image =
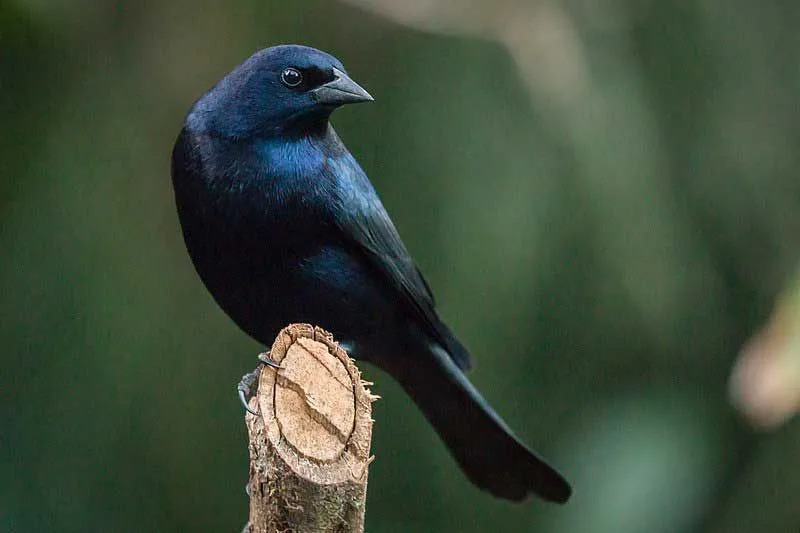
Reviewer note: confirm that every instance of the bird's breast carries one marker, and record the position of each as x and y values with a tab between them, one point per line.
259	231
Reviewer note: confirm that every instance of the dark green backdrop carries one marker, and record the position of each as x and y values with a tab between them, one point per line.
603	195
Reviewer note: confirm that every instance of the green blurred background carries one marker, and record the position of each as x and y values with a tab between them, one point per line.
603	194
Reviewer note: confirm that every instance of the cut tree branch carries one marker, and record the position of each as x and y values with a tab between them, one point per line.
309	449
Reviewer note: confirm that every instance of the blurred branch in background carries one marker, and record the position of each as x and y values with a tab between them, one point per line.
765	383
539	35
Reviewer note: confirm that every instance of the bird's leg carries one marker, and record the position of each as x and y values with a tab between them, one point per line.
248	385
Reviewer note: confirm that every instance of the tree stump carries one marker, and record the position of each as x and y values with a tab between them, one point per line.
310	448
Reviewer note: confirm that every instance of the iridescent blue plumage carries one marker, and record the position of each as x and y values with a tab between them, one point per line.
283	226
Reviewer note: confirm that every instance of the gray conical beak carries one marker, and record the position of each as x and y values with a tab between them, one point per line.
341	90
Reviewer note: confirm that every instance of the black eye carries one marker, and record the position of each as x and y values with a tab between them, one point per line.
291	77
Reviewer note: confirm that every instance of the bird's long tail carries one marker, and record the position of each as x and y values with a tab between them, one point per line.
486	449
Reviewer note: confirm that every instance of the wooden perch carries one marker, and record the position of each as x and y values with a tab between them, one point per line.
309	451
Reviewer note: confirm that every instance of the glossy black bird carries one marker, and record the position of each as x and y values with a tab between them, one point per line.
283	226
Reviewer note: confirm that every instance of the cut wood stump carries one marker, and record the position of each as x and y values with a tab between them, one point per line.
310	448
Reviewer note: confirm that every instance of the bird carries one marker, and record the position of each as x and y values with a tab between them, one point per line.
283	226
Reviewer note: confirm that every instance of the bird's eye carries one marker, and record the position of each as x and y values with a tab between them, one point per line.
291	77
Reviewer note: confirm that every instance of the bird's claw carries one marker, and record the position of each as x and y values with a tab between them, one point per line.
249	383
245	389
246	404
265	359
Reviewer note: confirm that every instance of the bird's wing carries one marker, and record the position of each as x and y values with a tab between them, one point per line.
365	223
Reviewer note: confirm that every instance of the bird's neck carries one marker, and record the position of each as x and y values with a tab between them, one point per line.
293	158
322	141
314	125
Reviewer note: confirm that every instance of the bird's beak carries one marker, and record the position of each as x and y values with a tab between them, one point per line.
342	90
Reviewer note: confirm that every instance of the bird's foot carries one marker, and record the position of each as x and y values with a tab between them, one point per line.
248	385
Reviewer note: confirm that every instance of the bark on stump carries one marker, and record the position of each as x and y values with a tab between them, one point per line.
309	449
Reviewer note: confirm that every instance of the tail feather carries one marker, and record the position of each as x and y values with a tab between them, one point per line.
489	453
455	350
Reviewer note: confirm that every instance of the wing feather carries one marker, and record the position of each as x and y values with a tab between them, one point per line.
364	222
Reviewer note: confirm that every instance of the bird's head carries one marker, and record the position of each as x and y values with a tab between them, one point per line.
283	90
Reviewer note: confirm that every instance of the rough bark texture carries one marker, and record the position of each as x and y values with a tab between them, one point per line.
309	451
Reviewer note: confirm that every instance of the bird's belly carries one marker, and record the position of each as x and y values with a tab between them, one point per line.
266	288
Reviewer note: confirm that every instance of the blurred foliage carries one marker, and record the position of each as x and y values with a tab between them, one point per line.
604	196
